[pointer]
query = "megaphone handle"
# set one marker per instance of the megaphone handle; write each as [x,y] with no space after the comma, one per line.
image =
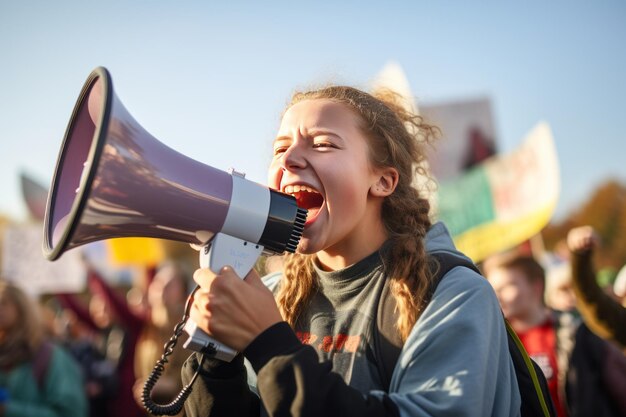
[223,250]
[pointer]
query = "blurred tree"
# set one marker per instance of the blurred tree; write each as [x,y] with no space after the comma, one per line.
[605,211]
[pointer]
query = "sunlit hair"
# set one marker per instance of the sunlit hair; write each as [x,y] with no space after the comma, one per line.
[21,342]
[396,138]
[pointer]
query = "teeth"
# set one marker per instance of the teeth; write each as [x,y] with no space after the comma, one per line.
[291,189]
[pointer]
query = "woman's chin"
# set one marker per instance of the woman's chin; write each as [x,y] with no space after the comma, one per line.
[309,245]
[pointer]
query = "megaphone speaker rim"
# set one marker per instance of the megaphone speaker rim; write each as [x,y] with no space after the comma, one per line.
[54,251]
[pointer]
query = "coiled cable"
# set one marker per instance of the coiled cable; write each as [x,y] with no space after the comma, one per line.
[176,405]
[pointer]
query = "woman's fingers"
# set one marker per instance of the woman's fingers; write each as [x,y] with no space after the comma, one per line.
[232,310]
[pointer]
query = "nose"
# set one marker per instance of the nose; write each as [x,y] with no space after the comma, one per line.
[294,157]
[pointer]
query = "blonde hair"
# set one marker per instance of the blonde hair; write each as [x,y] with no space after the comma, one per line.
[23,340]
[396,138]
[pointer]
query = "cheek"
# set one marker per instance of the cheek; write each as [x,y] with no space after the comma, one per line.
[509,295]
[274,175]
[349,184]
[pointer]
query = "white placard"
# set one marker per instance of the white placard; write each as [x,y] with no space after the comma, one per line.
[24,264]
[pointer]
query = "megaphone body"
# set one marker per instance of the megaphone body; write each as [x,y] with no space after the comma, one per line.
[113,179]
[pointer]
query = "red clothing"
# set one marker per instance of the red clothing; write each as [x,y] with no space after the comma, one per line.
[540,343]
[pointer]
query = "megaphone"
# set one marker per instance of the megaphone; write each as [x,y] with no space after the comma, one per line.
[113,179]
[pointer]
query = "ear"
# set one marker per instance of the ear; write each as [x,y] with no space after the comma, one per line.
[386,182]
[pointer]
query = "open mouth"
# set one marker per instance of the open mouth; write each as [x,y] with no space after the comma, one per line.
[307,198]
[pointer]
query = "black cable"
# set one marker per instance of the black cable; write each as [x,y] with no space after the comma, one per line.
[177,403]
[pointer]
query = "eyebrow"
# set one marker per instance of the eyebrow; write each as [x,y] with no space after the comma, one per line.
[313,132]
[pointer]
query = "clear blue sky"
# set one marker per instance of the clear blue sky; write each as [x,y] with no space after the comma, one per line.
[209,79]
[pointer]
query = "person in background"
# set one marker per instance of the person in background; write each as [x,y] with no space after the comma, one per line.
[601,311]
[37,378]
[519,282]
[604,315]
[99,373]
[166,296]
[573,359]
[118,329]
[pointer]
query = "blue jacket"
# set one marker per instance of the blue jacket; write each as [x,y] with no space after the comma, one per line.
[61,394]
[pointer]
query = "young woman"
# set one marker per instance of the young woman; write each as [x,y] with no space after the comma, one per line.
[308,332]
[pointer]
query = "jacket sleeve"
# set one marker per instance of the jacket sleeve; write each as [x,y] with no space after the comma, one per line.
[604,316]
[71,302]
[131,321]
[221,388]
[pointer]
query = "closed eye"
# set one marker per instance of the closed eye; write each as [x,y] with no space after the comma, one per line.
[322,145]
[280,150]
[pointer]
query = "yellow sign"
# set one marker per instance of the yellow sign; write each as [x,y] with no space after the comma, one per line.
[136,251]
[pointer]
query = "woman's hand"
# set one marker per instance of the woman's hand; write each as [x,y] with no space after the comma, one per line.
[582,239]
[232,310]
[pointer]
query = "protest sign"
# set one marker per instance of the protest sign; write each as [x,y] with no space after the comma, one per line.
[504,201]
[24,264]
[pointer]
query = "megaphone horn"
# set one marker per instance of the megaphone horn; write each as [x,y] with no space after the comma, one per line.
[113,179]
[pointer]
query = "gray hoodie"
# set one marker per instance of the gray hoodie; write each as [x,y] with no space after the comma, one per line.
[455,361]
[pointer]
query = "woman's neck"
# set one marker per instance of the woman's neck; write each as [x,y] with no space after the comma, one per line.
[348,253]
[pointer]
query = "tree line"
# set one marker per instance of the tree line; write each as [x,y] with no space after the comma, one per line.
[605,211]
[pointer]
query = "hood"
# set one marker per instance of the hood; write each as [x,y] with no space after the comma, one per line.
[438,239]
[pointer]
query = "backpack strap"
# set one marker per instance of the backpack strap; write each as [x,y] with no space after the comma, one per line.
[531,371]
[387,340]
[41,361]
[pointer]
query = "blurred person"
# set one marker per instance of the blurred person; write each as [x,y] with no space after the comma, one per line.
[37,378]
[117,329]
[559,293]
[166,297]
[99,373]
[572,357]
[519,283]
[603,314]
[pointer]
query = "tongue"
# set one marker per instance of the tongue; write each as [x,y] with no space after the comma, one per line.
[309,200]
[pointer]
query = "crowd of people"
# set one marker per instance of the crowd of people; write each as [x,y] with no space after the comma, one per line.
[311,336]
[90,354]
[570,324]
